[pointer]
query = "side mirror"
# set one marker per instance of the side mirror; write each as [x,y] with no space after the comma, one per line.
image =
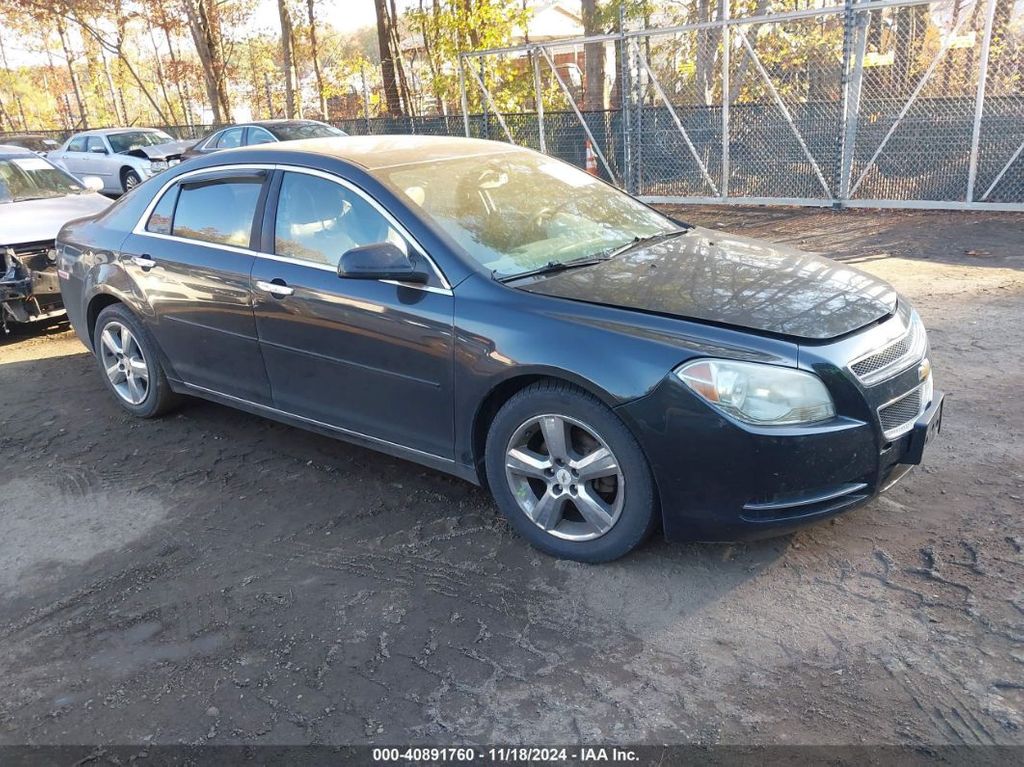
[379,261]
[97,150]
[92,183]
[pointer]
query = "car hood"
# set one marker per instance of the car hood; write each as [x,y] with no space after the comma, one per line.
[166,151]
[716,277]
[40,220]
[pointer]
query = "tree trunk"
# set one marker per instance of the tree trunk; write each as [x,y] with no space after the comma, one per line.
[186,111]
[387,62]
[314,52]
[205,29]
[83,115]
[286,55]
[593,82]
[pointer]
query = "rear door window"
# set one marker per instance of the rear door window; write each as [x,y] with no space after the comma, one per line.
[77,144]
[218,210]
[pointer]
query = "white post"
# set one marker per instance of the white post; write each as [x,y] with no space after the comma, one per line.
[726,56]
[462,94]
[538,95]
[979,99]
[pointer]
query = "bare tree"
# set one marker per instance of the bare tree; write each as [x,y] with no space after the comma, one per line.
[387,60]
[287,58]
[594,95]
[314,53]
[204,24]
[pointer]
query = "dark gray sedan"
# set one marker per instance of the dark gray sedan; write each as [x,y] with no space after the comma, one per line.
[494,313]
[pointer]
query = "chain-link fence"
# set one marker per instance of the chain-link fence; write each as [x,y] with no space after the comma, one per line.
[891,103]
[901,103]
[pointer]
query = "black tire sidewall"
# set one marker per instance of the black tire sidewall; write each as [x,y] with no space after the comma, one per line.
[639,514]
[124,179]
[158,386]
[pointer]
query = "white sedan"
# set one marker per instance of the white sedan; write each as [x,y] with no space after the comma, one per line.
[121,157]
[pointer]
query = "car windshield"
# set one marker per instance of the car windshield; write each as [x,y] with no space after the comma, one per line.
[129,140]
[27,177]
[519,211]
[292,131]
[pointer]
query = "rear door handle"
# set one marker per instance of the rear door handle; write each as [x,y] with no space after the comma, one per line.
[278,289]
[145,261]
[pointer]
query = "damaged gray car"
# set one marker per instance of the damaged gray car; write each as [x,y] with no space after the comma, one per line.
[122,158]
[36,200]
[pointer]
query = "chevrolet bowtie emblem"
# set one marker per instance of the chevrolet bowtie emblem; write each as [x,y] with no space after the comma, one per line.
[924,370]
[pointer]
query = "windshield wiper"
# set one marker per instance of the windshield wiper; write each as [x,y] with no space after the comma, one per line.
[551,267]
[644,241]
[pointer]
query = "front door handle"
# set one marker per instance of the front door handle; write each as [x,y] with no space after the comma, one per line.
[145,261]
[278,289]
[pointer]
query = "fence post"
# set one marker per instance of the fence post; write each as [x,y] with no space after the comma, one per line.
[625,95]
[484,101]
[463,99]
[638,119]
[979,99]
[726,94]
[539,101]
[855,36]
[366,98]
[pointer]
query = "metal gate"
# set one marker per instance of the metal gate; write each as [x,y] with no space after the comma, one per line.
[885,103]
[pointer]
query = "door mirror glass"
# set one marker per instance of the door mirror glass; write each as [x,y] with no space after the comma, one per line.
[379,261]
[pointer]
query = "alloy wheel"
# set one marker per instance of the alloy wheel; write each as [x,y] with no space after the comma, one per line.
[124,363]
[564,477]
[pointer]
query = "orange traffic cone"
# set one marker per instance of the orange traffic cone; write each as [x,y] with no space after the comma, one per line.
[591,159]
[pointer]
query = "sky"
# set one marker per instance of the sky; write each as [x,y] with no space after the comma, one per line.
[343,15]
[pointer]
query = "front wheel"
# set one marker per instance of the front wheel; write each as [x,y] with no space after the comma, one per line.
[569,475]
[129,180]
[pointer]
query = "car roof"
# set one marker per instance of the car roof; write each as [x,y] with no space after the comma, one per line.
[377,152]
[112,131]
[14,149]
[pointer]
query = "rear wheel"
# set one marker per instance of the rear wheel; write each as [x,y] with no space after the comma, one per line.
[569,475]
[127,356]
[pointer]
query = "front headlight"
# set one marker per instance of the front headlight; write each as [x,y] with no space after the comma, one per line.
[158,165]
[764,395]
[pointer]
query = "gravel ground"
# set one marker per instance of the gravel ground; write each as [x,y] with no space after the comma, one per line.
[215,577]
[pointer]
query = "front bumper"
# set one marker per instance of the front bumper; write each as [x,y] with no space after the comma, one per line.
[719,480]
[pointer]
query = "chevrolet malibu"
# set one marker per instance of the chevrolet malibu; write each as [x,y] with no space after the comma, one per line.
[497,314]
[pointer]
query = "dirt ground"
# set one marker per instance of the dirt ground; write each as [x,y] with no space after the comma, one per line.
[215,577]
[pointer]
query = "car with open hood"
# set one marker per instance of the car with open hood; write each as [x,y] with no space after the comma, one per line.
[500,315]
[36,200]
[121,158]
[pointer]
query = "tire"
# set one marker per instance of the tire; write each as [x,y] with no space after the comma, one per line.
[129,362]
[130,179]
[610,506]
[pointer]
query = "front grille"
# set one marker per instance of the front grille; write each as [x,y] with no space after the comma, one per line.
[898,416]
[893,358]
